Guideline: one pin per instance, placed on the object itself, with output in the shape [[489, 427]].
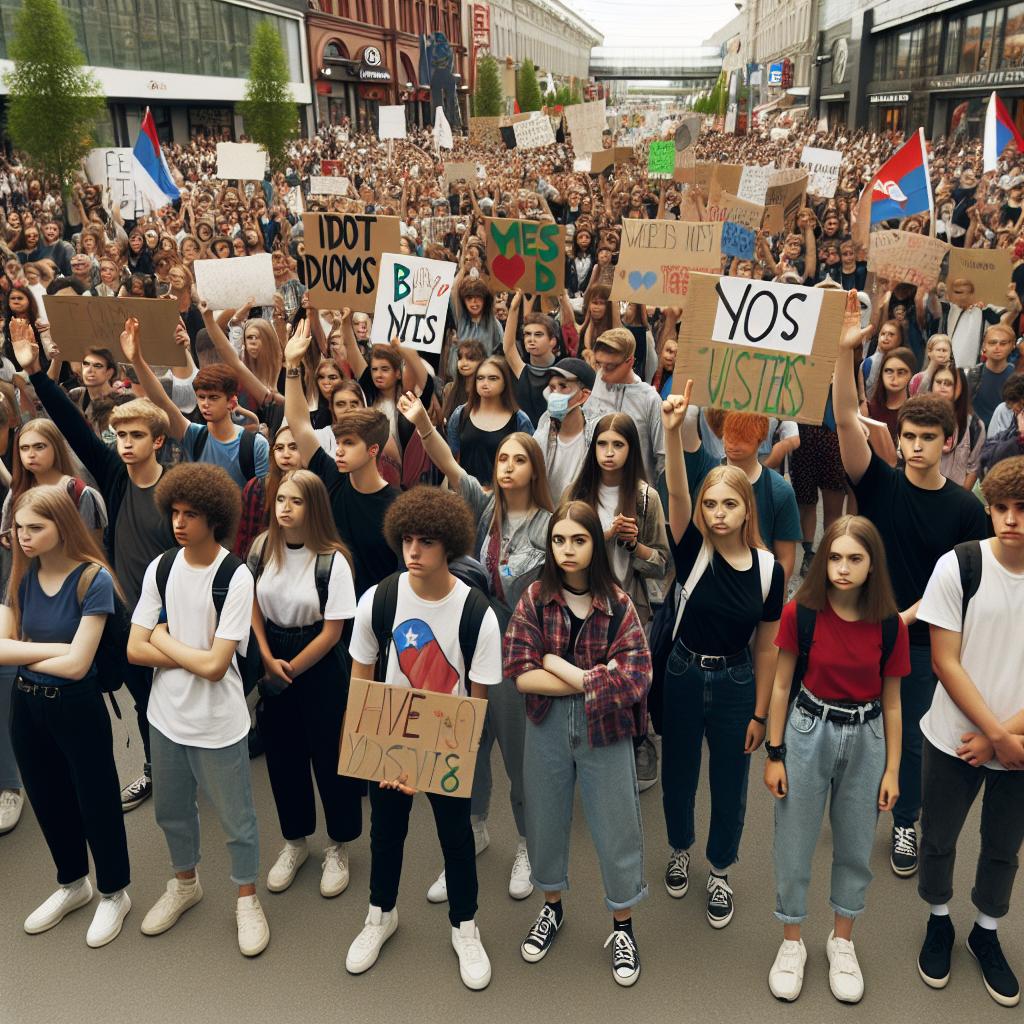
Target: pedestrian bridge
[[671, 63]]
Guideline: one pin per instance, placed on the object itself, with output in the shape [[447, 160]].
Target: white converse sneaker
[[365, 948], [334, 880], [438, 892], [287, 865], [481, 837], [844, 977], [107, 921], [474, 966], [11, 803], [164, 914], [519, 885], [58, 906], [786, 977], [253, 930]]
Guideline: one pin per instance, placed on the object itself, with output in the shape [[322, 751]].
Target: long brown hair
[[602, 580], [540, 494], [585, 487], [458, 393], [21, 479], [507, 396], [734, 477], [597, 291], [876, 600], [878, 402], [266, 364]]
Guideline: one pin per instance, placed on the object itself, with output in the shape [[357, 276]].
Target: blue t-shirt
[[225, 453], [55, 620]]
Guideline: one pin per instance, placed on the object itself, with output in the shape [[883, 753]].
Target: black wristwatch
[[775, 753]]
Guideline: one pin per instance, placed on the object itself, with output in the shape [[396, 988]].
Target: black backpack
[[805, 620], [968, 560], [250, 665], [246, 450], [111, 661]]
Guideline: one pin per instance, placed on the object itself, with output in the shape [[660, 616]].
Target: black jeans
[[301, 729], [64, 748], [950, 788], [139, 682], [389, 825], [916, 692]]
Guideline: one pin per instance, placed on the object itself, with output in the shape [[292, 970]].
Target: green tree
[[527, 89], [270, 114], [54, 104], [488, 101]]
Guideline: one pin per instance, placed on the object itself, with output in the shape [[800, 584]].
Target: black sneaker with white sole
[[720, 902], [903, 858], [1000, 981], [136, 792], [625, 957], [538, 940], [677, 879], [934, 959]]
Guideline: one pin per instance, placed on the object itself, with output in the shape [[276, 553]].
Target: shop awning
[[799, 90]]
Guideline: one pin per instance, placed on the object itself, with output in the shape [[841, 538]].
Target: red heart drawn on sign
[[508, 270]]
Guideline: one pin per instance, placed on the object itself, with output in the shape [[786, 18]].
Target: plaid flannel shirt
[[618, 669], [254, 515]]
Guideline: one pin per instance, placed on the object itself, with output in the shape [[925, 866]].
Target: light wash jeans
[[506, 723], [557, 752], [844, 765], [223, 775], [9, 775]]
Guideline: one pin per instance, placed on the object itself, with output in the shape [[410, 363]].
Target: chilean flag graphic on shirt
[[902, 186], [421, 658]]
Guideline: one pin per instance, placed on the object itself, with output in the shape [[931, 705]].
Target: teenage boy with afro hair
[[430, 527], [198, 717]]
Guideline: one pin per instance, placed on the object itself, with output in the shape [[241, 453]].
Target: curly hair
[[1005, 481], [430, 512], [208, 489]]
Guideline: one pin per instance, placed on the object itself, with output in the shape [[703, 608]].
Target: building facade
[[187, 61], [781, 34]]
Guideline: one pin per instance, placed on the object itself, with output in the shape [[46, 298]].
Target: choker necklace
[[573, 590]]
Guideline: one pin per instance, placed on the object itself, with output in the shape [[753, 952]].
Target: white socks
[[939, 909], [984, 921]]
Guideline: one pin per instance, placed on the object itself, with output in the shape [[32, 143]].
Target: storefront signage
[[481, 26], [775, 74], [890, 97], [372, 69], [979, 79]]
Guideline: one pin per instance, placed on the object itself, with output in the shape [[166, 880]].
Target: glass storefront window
[[932, 47], [990, 38], [902, 68], [971, 45], [1013, 38], [953, 34]]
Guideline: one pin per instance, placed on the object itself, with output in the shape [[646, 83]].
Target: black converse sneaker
[[1000, 981], [625, 957], [538, 941], [934, 959], [903, 858], [720, 905], [677, 880], [136, 792]]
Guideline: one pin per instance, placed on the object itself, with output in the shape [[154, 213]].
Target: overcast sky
[[655, 22]]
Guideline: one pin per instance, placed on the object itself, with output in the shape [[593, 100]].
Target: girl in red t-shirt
[[838, 740]]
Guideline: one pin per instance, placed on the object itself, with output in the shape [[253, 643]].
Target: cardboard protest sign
[[392, 122], [111, 167], [454, 172], [773, 222], [586, 123], [787, 188], [244, 161], [534, 132], [724, 206], [661, 158], [342, 256], [78, 322], [987, 269], [658, 257], [724, 176], [758, 346], [605, 158], [525, 254], [412, 301], [906, 256], [484, 131], [754, 181], [822, 166], [228, 284], [431, 738], [328, 186], [738, 240]]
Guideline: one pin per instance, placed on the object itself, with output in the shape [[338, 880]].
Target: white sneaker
[[107, 921], [481, 837], [438, 892], [786, 977], [287, 865], [58, 906], [334, 880], [519, 885], [844, 977], [164, 914], [474, 966], [253, 930], [11, 803], [365, 948]]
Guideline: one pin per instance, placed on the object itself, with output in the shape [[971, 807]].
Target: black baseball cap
[[571, 367]]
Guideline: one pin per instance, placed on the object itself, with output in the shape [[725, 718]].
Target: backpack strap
[[473, 612], [89, 573], [222, 581], [257, 556], [968, 557], [322, 577], [806, 618], [199, 445], [247, 453], [163, 572], [382, 619], [766, 567], [701, 563], [890, 632]]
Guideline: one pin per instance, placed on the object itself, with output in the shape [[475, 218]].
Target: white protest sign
[[748, 312], [229, 284], [392, 122], [328, 186], [754, 182], [581, 164], [293, 200], [586, 122], [111, 167], [442, 130], [412, 301], [534, 132], [244, 161], [822, 167]]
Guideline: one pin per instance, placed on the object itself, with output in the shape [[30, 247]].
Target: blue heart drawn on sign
[[642, 280]]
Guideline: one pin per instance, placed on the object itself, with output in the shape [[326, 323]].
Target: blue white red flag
[[1000, 131], [902, 186], [422, 658], [149, 168]]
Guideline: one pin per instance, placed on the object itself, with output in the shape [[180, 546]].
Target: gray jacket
[[641, 402]]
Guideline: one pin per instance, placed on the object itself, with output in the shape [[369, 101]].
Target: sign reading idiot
[[525, 254], [658, 257], [906, 256], [430, 738], [757, 346], [342, 257]]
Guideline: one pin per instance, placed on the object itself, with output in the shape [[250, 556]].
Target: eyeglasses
[[608, 367]]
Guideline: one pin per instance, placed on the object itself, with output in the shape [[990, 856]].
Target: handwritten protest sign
[[661, 158], [328, 186], [754, 181], [658, 257], [727, 207], [78, 322], [454, 172], [293, 200], [392, 122], [244, 161], [227, 284], [431, 738], [586, 123], [525, 254], [111, 167], [737, 241], [484, 131], [987, 269], [757, 346], [787, 188], [605, 158], [905, 256], [533, 132], [342, 257], [822, 166], [412, 301]]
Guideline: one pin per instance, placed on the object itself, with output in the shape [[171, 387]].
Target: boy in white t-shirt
[[974, 734], [430, 527], [199, 721]]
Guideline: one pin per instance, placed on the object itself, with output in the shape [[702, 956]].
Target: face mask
[[558, 404]]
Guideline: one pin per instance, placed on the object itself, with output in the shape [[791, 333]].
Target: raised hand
[[412, 409], [295, 349], [23, 341], [673, 409], [853, 335], [130, 345]]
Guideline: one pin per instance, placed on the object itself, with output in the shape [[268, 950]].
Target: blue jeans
[[9, 776], [717, 704], [842, 764], [916, 692], [223, 775], [557, 752]]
